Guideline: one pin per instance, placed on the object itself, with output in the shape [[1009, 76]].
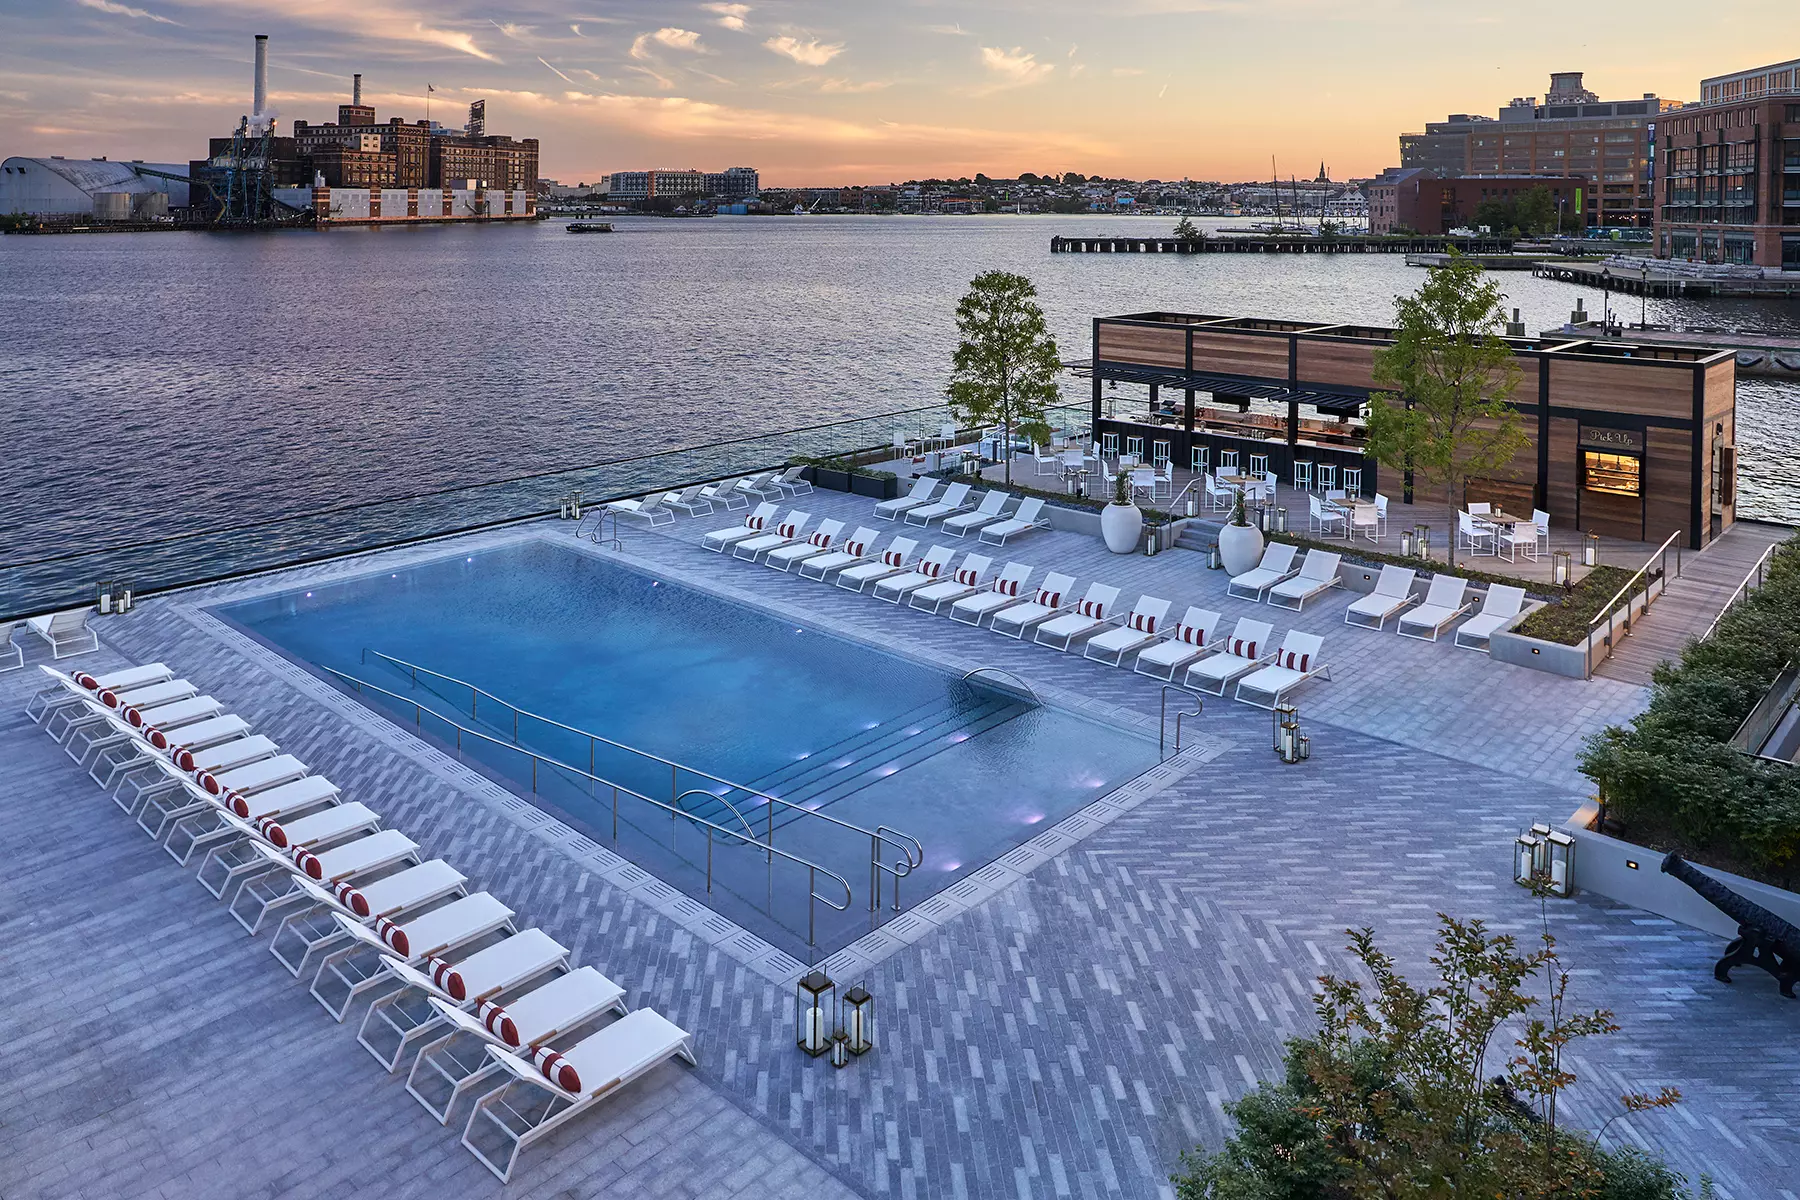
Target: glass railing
[[45, 582]]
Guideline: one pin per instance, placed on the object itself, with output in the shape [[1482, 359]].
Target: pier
[[1256, 244], [1668, 280]]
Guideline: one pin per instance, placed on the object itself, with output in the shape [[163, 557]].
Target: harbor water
[[161, 383]]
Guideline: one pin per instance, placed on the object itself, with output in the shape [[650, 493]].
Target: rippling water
[[163, 382]]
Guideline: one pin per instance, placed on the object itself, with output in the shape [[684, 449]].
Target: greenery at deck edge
[[1673, 781]]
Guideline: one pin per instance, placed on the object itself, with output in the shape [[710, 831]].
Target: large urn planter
[[1240, 548], [1120, 525]]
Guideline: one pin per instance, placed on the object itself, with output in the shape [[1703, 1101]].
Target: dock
[[1259, 244], [1668, 280]]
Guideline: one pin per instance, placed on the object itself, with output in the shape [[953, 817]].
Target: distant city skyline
[[813, 93]]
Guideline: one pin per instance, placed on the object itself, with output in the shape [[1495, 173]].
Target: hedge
[[1671, 781]]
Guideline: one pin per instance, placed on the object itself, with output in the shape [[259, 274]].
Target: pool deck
[[1066, 1033]]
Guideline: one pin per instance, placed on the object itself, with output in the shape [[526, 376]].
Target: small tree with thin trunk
[[1005, 366], [1187, 231], [1446, 418]]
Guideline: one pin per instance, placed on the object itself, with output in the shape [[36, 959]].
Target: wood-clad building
[[1630, 441]]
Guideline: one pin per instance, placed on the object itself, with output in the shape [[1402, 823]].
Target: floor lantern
[[813, 1005]]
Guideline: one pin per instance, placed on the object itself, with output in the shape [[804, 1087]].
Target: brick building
[[1730, 187], [1607, 144], [1410, 198], [358, 151]]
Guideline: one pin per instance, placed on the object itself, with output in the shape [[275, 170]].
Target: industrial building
[[95, 188], [733, 183], [1412, 199]]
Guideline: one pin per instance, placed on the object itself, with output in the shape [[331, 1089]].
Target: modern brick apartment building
[[1409, 198], [1730, 172]]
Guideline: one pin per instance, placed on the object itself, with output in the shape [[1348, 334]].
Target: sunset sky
[[829, 93]]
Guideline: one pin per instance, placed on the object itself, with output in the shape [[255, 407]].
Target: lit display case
[[1615, 474]]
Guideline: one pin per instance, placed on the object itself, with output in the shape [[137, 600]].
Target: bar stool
[[1327, 477], [1159, 454], [1134, 446], [1200, 460], [1259, 464], [1109, 443], [1353, 480], [1303, 476], [1228, 462]]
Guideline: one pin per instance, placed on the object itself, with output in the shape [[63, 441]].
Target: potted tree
[[1240, 542], [1120, 521]]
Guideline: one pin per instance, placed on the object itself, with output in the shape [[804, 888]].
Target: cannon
[[1764, 939]]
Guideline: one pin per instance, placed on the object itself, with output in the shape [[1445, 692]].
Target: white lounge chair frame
[[1502, 604], [1172, 653], [923, 488], [1001, 593], [1126, 634], [1393, 593], [1222, 666], [955, 500], [1444, 602], [1318, 573], [719, 540], [846, 555], [992, 508], [966, 580], [1062, 632], [1015, 619], [1276, 565], [67, 632], [1025, 520], [1270, 684]]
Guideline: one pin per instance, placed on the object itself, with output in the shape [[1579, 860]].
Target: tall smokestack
[[260, 104], [356, 89]]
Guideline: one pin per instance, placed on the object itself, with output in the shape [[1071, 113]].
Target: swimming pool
[[732, 693]]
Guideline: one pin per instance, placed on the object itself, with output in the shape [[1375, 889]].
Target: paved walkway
[[1069, 1036]]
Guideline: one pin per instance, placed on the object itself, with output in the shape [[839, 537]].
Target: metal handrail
[[722, 800], [1005, 674], [1743, 589], [1610, 610], [898, 871], [1162, 723], [675, 768], [1660, 550], [813, 868]]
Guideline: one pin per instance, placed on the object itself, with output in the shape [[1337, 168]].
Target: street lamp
[[1606, 299]]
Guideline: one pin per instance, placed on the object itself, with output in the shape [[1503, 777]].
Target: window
[[1740, 248], [1614, 474], [1621, 137], [1790, 245]]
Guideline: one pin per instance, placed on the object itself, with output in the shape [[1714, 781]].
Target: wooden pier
[[1648, 280], [1251, 244]]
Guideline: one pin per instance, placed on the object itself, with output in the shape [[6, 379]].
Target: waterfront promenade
[[1066, 1035]]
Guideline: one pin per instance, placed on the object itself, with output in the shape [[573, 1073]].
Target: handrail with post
[[1610, 609], [675, 811], [1011, 678], [1743, 589], [905, 844], [1162, 723]]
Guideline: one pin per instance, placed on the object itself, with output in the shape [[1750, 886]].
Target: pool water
[[734, 695]]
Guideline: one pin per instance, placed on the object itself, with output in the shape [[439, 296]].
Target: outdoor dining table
[[1356, 512], [1497, 517]]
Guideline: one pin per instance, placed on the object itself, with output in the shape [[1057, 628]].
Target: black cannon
[[1764, 939]]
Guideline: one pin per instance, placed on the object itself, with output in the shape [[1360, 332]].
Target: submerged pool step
[[868, 744]]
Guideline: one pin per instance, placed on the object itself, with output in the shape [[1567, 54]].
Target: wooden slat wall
[[1337, 363], [1241, 354], [1514, 486], [1565, 471], [1613, 516], [1165, 347], [1720, 407], [1622, 388], [1668, 485]]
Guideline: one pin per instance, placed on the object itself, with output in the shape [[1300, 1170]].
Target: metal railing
[[1639, 578], [676, 813], [1010, 678], [911, 852], [1743, 589], [1162, 724]]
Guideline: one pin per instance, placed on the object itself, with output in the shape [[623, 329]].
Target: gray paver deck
[[1069, 1036]]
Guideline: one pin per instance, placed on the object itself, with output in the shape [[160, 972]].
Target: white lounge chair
[[1141, 626], [1049, 600], [601, 1064], [404, 1016], [926, 571], [789, 530], [12, 655], [1296, 661], [1276, 565], [819, 541], [966, 580], [896, 559], [1030, 516], [1246, 649], [315, 928], [762, 486], [65, 691], [1393, 592], [364, 963], [727, 492], [651, 509], [1191, 637], [691, 500], [1318, 573], [954, 500], [1089, 616], [543, 1016], [264, 893], [923, 488], [1499, 607], [225, 865], [754, 525], [1002, 592], [207, 826], [850, 551], [1443, 604], [991, 508], [67, 632], [791, 483]]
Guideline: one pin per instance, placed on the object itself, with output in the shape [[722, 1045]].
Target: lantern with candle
[[1590, 551], [1560, 569], [813, 1005], [1559, 853], [1528, 858], [860, 1022]]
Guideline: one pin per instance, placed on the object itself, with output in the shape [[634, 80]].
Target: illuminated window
[[1616, 474]]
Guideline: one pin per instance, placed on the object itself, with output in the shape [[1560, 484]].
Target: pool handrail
[[905, 843], [813, 869]]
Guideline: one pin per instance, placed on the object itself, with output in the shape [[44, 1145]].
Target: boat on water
[[590, 227]]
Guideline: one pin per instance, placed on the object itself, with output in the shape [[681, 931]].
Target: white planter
[[1120, 525], [1240, 548]]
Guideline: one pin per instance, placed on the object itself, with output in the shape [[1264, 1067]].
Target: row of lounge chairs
[[702, 499], [484, 1007], [1052, 615], [1446, 599], [989, 519]]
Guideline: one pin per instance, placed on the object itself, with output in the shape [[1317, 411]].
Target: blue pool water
[[826, 725]]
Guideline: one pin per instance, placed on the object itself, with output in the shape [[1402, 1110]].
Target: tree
[[1073, 177], [1447, 417], [1534, 212], [1187, 231], [1394, 1098], [1005, 366]]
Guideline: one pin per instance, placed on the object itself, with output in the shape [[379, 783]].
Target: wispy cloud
[[731, 16], [1016, 67], [947, 30], [125, 10], [668, 37], [559, 74], [1125, 72], [810, 53], [831, 85], [512, 29], [365, 19]]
